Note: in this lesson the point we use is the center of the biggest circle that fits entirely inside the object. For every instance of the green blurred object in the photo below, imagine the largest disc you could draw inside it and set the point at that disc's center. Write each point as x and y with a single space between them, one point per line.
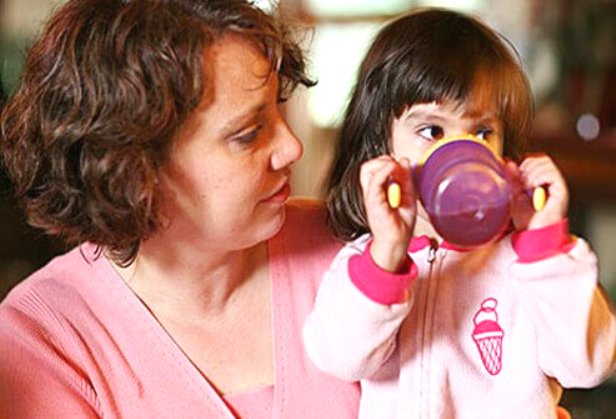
12 53
11 63
1 89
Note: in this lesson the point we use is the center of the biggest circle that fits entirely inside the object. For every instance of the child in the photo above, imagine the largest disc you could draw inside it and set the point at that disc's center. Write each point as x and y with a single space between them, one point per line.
432 330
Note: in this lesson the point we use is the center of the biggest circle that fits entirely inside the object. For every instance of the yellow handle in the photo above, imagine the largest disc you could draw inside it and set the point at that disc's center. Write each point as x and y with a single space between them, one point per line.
394 195
540 196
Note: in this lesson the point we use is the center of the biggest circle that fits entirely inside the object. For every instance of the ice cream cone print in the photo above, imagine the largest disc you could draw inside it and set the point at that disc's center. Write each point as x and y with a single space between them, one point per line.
488 336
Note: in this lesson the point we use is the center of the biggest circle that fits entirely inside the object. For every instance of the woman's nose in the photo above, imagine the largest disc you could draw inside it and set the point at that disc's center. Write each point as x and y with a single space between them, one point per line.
288 148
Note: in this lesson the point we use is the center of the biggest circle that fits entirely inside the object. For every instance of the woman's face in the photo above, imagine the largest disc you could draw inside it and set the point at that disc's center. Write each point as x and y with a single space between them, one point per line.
227 175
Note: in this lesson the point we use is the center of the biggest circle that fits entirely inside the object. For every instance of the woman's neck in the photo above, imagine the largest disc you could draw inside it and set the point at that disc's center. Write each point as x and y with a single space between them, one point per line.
176 277
200 296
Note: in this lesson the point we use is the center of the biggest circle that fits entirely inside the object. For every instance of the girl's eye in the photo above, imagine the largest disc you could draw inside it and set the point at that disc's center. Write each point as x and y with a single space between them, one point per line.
484 133
432 132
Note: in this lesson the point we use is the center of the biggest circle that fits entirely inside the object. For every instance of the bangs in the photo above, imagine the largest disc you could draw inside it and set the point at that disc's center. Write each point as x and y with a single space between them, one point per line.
437 76
429 83
469 76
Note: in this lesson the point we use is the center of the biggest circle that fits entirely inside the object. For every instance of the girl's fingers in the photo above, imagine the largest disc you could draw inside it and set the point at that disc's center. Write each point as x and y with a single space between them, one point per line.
373 171
400 185
384 178
538 171
549 193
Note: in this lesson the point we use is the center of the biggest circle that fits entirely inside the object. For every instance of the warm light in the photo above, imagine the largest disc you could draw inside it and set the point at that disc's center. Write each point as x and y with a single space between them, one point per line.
337 51
267 5
463 5
356 7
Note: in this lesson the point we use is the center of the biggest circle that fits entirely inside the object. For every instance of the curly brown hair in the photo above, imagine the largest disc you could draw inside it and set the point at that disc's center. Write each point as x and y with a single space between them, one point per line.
104 90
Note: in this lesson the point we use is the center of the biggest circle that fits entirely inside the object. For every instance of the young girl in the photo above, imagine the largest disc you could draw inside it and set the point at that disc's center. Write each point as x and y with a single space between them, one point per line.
430 329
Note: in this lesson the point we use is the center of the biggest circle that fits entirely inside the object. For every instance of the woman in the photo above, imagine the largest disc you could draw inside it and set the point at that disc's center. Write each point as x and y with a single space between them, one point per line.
149 135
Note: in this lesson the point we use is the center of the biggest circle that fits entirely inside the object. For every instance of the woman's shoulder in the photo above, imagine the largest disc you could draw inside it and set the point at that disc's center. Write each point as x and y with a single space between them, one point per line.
42 329
51 292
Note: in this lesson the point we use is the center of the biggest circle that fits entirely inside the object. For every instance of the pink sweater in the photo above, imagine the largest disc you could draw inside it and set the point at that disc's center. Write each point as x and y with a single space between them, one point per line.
75 342
489 333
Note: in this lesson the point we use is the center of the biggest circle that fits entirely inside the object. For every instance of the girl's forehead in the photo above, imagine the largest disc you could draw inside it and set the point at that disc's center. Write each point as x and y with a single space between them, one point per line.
470 107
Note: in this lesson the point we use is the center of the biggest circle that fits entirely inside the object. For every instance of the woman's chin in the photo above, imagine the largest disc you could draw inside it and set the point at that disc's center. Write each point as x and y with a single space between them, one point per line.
266 229
277 222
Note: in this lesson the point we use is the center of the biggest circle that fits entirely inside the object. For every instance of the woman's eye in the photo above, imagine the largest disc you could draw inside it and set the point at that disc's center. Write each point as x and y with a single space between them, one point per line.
249 135
432 132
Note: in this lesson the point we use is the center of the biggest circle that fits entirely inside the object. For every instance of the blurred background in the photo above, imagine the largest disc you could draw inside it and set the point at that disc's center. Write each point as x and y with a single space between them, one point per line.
568 48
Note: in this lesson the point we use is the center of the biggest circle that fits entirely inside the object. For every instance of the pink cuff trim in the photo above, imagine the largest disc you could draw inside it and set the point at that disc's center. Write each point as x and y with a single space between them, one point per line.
542 243
379 285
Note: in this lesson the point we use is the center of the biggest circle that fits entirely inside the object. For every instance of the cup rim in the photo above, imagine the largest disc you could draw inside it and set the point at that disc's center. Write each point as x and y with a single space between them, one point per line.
440 143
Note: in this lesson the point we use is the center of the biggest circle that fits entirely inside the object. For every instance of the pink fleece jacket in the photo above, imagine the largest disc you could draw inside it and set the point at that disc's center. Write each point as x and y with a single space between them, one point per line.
75 342
487 333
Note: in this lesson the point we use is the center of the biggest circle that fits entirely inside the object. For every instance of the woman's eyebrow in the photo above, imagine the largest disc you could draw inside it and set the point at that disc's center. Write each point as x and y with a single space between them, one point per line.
231 125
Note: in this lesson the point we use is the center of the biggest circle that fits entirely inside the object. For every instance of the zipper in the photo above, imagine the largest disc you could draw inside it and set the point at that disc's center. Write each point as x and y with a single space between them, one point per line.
424 401
432 254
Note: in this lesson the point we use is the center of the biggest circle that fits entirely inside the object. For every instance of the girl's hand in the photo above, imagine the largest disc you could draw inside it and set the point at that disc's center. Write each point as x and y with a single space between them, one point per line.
537 171
391 228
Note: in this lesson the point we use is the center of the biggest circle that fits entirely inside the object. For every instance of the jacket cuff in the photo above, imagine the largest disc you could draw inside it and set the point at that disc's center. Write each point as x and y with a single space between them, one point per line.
542 243
378 284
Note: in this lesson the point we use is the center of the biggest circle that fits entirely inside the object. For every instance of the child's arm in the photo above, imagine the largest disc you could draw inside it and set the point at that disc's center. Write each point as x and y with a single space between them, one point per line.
557 284
352 329
365 294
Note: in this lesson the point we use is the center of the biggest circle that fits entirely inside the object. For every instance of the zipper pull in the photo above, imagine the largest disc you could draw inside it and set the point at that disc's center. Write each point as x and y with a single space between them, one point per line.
432 252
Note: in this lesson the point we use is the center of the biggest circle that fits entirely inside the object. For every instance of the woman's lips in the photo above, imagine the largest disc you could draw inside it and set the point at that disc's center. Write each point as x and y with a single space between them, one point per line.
281 196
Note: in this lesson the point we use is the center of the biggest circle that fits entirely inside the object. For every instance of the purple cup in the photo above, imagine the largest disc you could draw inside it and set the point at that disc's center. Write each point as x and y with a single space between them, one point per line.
463 188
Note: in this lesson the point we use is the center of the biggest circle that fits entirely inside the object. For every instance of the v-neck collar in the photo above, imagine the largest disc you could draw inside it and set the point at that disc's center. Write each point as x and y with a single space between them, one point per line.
140 313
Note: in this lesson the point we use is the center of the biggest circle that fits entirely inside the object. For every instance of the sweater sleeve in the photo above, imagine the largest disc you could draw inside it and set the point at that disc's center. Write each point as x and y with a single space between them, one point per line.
352 329
36 378
575 324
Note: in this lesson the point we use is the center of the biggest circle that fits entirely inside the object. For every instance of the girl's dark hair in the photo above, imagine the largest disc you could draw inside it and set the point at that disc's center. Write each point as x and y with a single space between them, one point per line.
104 91
425 56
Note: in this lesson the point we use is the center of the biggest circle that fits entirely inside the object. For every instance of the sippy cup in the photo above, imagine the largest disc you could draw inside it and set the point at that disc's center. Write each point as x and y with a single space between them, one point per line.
462 185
